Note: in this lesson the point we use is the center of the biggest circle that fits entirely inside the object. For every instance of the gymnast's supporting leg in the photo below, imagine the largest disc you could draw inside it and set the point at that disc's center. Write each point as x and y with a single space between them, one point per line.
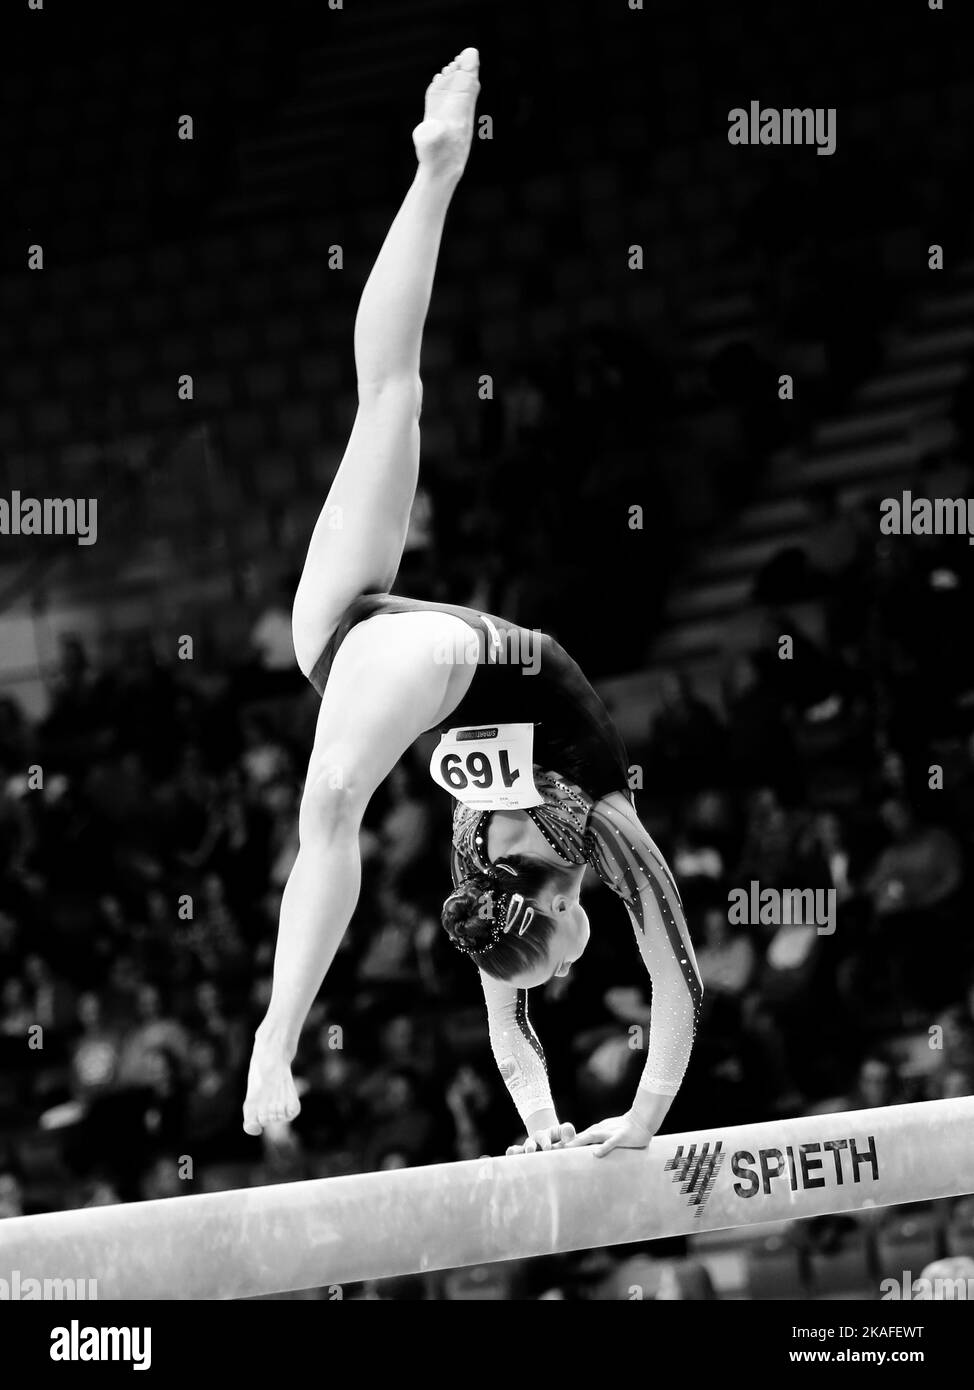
357 742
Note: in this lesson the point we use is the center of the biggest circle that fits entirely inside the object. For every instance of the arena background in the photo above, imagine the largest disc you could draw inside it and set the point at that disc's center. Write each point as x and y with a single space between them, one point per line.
614 388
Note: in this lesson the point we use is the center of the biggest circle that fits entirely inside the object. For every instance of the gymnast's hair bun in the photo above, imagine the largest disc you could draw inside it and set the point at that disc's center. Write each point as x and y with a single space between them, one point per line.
463 915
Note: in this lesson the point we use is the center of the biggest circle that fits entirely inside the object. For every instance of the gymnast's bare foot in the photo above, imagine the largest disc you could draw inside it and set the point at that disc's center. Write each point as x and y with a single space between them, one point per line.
271 1095
442 138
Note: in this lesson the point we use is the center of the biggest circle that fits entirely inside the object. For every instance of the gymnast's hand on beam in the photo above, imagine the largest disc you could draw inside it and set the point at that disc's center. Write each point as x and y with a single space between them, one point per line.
619 1132
554 1137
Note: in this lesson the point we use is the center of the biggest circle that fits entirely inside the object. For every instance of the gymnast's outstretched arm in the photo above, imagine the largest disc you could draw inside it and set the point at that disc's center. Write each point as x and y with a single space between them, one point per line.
629 862
521 1062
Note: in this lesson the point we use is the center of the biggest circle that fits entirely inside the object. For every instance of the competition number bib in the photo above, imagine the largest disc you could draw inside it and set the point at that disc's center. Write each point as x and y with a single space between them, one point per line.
489 767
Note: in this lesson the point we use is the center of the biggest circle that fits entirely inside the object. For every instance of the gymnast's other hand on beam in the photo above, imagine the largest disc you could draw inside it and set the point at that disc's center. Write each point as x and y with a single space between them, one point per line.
553 1137
618 1132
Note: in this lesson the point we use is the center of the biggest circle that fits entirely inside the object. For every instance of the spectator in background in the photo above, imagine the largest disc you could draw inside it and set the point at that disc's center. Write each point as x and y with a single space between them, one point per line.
162 1179
214 935
877 1083
524 408
390 956
212 1103
270 636
186 807
99 1192
95 1053
123 1129
468 1099
404 1041
709 839
811 678
122 794
17 840
946 1280
227 1030
613 1054
825 856
920 869
659 1281
769 853
52 999
272 670
264 757
404 832
914 887
154 1033
727 958
238 848
957 1082
954 1056
120 993
399 1123
334 1115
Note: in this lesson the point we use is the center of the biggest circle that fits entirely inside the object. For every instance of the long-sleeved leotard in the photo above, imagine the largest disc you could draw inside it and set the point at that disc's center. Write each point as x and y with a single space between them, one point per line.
524 675
608 836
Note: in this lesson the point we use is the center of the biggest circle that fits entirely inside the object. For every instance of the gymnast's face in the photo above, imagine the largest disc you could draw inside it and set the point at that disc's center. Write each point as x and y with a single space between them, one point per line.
567 943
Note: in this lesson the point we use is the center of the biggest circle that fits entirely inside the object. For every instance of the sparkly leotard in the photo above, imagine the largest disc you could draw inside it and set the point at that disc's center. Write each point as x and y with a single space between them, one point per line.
608 836
587 817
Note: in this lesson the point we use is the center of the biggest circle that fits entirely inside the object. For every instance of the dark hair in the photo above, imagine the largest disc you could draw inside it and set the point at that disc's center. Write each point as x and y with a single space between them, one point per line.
500 953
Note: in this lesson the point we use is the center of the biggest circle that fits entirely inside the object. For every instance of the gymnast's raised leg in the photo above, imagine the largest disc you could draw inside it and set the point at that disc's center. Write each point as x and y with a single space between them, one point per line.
381 694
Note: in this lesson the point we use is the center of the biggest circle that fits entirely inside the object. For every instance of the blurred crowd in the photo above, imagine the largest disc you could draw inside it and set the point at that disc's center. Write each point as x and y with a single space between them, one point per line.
148 824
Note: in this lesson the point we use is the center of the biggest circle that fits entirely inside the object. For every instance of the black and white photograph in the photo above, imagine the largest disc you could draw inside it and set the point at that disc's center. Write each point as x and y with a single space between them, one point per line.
487 667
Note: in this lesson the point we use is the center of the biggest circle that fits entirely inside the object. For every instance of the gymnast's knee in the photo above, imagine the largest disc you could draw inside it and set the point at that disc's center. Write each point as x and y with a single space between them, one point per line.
334 798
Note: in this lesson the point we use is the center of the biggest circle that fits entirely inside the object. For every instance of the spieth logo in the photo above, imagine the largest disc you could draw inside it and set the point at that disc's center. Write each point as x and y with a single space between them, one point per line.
765 1173
696 1172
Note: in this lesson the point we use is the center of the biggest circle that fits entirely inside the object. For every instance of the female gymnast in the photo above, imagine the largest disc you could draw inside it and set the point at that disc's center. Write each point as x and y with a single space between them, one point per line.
527 749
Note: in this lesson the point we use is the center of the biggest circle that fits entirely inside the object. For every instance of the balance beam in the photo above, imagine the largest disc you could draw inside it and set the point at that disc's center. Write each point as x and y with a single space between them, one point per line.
341 1230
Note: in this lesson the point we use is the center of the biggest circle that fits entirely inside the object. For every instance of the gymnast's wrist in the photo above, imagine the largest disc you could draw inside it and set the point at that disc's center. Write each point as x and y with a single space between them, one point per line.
540 1119
649 1108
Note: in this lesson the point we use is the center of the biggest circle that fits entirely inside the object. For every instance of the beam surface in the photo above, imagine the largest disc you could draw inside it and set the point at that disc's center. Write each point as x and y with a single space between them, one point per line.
340 1230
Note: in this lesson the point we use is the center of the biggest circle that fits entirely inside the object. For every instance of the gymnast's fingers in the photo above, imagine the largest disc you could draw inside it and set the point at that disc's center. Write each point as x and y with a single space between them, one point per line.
609 1144
595 1134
